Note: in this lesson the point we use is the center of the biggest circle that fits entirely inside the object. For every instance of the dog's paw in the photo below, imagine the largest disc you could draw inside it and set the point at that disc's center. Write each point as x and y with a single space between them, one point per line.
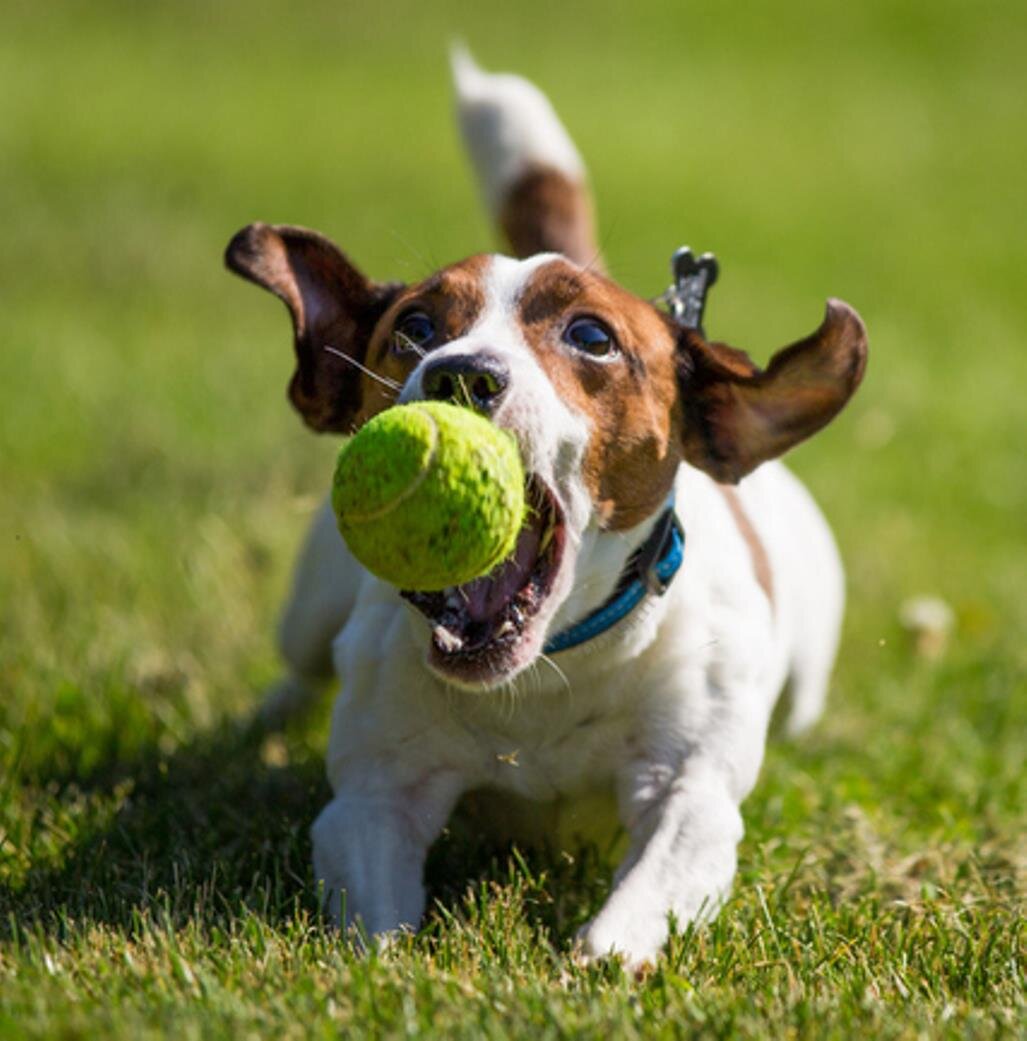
384 945
583 960
636 942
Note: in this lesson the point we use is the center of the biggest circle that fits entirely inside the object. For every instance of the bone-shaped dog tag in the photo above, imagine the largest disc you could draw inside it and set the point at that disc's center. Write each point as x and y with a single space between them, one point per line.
693 276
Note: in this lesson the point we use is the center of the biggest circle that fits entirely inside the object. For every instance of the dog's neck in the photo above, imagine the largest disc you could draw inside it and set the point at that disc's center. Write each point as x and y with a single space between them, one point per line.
617 574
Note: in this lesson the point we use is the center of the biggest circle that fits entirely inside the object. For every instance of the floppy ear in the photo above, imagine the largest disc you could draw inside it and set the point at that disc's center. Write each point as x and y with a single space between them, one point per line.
735 416
331 304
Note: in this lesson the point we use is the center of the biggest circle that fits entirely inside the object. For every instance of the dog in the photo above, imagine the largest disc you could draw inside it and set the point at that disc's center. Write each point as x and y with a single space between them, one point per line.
672 578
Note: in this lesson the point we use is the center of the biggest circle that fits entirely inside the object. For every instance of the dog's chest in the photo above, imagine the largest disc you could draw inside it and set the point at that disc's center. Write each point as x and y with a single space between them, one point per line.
547 767
553 747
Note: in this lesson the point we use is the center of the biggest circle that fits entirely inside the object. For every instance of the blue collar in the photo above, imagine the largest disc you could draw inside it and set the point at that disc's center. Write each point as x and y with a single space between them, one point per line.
651 569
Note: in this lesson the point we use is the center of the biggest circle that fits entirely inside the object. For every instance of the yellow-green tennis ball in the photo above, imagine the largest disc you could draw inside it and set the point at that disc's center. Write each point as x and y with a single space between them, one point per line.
429 495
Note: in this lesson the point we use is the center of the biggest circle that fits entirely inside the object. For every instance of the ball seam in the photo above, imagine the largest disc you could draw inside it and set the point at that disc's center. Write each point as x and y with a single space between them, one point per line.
363 518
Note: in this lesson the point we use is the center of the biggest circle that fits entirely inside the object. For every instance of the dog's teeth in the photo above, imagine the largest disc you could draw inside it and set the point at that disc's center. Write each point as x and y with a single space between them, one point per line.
506 627
446 640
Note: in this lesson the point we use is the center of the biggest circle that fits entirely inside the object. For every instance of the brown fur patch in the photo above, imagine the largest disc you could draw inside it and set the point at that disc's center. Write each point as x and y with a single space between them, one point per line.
737 416
453 298
331 303
629 400
545 211
757 551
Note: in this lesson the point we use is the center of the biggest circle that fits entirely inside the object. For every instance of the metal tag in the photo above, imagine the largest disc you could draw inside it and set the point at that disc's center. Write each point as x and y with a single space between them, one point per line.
686 295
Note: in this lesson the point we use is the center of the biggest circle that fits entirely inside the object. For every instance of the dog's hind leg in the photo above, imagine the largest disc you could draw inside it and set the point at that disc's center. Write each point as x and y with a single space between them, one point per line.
324 589
807 691
819 590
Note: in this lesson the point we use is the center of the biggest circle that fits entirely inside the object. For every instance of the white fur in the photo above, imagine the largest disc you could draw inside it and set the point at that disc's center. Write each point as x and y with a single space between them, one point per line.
662 720
667 715
552 438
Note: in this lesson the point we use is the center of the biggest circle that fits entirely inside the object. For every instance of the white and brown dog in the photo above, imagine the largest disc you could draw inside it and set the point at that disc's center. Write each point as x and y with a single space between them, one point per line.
635 643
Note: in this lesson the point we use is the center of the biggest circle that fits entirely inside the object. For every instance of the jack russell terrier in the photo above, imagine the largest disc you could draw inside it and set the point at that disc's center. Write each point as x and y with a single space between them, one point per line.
669 583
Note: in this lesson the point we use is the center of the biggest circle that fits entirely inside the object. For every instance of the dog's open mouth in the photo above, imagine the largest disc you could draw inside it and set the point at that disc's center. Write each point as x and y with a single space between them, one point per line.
479 628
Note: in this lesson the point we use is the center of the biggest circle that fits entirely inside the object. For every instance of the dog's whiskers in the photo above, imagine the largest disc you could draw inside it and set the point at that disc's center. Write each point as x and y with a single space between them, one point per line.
383 380
409 344
559 672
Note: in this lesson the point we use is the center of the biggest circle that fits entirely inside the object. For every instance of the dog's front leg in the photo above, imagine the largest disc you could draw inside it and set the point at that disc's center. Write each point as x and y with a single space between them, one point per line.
681 861
369 853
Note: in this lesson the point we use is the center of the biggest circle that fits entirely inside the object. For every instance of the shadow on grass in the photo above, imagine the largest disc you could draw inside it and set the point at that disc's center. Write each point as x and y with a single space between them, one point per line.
220 829
210 831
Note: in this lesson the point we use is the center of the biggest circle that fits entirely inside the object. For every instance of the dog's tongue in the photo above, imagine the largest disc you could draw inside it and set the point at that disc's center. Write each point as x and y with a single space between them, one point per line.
485 597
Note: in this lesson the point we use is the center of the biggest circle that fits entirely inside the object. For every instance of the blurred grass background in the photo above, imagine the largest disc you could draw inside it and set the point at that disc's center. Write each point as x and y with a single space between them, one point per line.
155 483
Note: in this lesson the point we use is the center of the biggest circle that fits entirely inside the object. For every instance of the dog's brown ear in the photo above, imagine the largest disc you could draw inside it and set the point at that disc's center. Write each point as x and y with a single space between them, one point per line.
332 304
735 416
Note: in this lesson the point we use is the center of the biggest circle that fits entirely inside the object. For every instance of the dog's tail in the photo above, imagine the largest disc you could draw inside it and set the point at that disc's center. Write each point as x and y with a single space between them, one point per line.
530 173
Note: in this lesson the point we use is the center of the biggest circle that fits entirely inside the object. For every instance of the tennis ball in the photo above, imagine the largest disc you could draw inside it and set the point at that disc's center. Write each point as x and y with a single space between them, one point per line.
429 495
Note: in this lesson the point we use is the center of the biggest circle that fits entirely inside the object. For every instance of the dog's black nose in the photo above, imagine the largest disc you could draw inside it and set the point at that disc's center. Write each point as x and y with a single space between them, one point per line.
477 380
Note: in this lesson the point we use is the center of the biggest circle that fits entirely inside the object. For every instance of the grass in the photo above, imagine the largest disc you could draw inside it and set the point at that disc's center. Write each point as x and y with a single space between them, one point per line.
154 857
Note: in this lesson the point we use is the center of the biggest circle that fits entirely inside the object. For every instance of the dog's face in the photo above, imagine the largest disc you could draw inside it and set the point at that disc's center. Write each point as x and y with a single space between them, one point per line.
605 394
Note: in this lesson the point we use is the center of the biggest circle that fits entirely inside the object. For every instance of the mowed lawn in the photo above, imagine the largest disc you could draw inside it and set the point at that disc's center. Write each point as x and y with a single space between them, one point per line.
154 857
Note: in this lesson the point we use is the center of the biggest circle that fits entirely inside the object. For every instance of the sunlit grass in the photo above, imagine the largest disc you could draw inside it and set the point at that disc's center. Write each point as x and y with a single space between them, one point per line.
154 859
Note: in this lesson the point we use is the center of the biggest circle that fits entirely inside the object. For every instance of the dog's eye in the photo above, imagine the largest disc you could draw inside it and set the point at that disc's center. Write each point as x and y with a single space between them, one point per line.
414 331
590 336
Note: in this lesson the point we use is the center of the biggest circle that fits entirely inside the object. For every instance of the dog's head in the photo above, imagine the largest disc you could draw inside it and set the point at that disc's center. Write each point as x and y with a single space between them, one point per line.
605 393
